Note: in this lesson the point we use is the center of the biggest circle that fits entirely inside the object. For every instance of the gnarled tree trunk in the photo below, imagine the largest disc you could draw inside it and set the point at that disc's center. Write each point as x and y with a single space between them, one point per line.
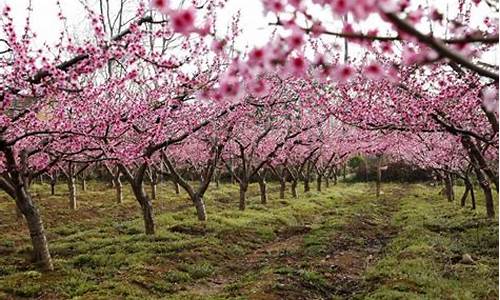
146 207
16 187
243 191
199 205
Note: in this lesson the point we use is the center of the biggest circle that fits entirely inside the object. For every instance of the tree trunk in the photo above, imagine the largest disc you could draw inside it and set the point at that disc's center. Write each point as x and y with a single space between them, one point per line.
24 202
19 214
146 206
294 188
327 182
84 184
119 189
307 188
199 204
449 188
318 183
472 197
153 191
379 175
282 188
52 188
335 177
263 190
464 196
176 187
72 192
41 254
343 171
243 190
488 197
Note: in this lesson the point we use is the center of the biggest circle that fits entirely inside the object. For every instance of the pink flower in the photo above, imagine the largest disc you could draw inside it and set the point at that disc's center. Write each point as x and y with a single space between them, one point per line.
297 4
410 56
343 73
340 7
229 88
296 39
317 29
161 5
275 6
218 45
258 88
373 71
183 20
257 57
297 65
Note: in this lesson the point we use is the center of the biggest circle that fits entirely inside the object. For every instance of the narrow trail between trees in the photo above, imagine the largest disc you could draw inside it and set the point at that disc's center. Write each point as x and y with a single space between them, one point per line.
322 259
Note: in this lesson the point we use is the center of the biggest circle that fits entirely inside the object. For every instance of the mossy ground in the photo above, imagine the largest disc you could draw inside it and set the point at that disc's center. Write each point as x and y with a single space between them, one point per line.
342 243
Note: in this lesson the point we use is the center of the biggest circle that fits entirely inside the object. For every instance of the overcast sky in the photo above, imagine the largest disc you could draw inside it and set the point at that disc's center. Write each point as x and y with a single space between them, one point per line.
253 23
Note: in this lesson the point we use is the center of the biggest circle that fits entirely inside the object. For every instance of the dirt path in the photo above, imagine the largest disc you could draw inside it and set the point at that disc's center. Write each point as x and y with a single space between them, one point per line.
291 268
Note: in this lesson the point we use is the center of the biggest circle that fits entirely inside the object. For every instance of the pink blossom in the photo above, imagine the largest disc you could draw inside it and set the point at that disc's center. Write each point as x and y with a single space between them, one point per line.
275 6
258 88
343 73
296 39
297 65
230 88
183 20
257 57
373 71
218 45
161 5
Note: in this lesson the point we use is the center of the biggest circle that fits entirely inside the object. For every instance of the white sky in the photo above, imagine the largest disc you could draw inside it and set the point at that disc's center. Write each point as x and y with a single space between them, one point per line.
47 26
253 23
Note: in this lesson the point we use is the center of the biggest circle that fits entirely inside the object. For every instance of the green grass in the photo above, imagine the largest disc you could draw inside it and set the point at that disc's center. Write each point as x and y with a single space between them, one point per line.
285 248
423 261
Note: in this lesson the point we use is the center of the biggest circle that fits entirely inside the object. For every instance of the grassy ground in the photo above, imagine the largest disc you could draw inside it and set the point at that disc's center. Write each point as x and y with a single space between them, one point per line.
342 243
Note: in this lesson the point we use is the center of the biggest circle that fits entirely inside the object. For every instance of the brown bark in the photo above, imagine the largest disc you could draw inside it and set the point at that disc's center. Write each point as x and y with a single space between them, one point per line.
243 191
52 188
17 189
282 188
84 184
199 204
488 197
464 196
379 174
307 187
146 207
293 187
